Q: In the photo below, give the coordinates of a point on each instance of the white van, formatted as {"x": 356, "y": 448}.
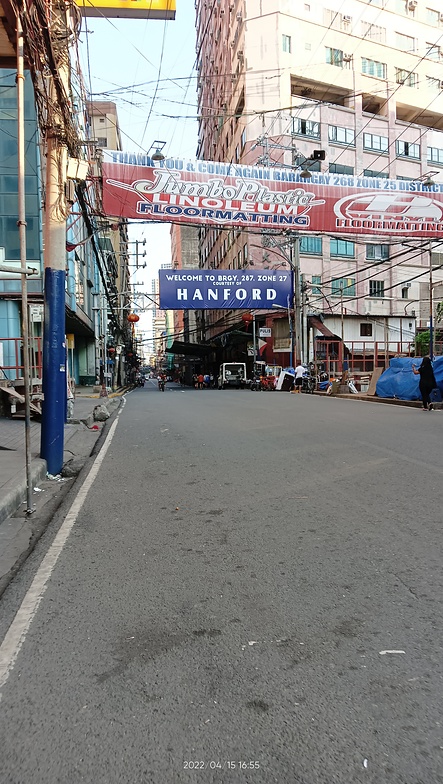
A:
{"x": 232, "y": 374}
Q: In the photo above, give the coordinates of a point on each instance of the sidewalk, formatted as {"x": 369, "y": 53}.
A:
{"x": 18, "y": 531}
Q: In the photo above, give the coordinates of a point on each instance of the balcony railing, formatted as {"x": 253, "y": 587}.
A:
{"x": 11, "y": 358}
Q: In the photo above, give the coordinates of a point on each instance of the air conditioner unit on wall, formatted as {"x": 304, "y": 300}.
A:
{"x": 347, "y": 19}
{"x": 347, "y": 58}
{"x": 412, "y": 4}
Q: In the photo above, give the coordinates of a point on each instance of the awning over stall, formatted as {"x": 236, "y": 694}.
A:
{"x": 189, "y": 349}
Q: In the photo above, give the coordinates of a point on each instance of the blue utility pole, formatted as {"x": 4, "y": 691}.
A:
{"x": 54, "y": 341}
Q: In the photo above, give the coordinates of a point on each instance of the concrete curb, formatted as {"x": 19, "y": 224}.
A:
{"x": 14, "y": 498}
{"x": 117, "y": 393}
{"x": 374, "y": 399}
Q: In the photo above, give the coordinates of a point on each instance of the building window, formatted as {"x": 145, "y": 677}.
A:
{"x": 341, "y": 135}
{"x": 345, "y": 286}
{"x": 376, "y": 288}
{"x": 373, "y": 142}
{"x": 281, "y": 334}
{"x": 373, "y": 68}
{"x": 433, "y": 51}
{"x": 334, "y": 56}
{"x": 342, "y": 248}
{"x": 335, "y": 20}
{"x": 243, "y": 138}
{"x": 245, "y": 254}
{"x": 311, "y": 245}
{"x": 286, "y": 42}
{"x": 380, "y": 252}
{"x": 408, "y": 78}
{"x": 405, "y": 292}
{"x": 405, "y": 42}
{"x": 435, "y": 155}
{"x": 365, "y": 330}
{"x": 434, "y": 18}
{"x": 316, "y": 283}
{"x": 102, "y": 141}
{"x": 338, "y": 168}
{"x": 372, "y": 173}
{"x": 432, "y": 83}
{"x": 407, "y": 149}
{"x": 306, "y": 128}
{"x": 373, "y": 32}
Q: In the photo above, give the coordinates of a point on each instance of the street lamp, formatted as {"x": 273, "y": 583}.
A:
{"x": 158, "y": 148}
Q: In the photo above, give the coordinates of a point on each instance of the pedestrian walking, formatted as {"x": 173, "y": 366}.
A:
{"x": 299, "y": 372}
{"x": 200, "y": 380}
{"x": 427, "y": 382}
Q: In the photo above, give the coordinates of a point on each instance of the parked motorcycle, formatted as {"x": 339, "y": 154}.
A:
{"x": 309, "y": 384}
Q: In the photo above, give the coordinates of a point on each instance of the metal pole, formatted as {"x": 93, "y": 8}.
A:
{"x": 291, "y": 318}
{"x": 341, "y": 312}
{"x": 295, "y": 261}
{"x": 253, "y": 347}
{"x": 21, "y": 223}
{"x": 431, "y": 308}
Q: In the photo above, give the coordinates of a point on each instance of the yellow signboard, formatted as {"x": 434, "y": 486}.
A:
{"x": 70, "y": 341}
{"x": 128, "y": 9}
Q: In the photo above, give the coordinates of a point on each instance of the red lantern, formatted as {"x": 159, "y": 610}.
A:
{"x": 247, "y": 318}
{"x": 133, "y": 318}
{"x": 130, "y": 354}
{"x": 111, "y": 350}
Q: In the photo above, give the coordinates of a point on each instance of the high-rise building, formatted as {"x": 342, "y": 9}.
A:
{"x": 363, "y": 84}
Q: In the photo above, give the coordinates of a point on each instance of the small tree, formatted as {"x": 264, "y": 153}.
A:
{"x": 422, "y": 343}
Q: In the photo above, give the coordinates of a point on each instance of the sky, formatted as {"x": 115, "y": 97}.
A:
{"x": 147, "y": 68}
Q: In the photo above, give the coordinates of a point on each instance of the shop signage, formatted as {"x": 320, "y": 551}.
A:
{"x": 226, "y": 194}
{"x": 224, "y": 289}
{"x": 128, "y": 9}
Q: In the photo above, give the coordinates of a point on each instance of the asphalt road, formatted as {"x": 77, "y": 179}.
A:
{"x": 226, "y": 605}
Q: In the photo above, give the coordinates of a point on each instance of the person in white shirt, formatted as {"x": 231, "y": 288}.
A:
{"x": 299, "y": 372}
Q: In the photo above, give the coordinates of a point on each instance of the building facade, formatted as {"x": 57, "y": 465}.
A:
{"x": 365, "y": 88}
{"x": 11, "y": 358}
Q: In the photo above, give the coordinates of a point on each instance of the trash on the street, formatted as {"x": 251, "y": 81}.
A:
{"x": 383, "y": 653}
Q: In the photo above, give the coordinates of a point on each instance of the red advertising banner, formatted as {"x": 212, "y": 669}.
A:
{"x": 223, "y": 194}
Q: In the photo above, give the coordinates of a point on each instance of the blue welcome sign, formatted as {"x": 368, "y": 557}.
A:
{"x": 195, "y": 289}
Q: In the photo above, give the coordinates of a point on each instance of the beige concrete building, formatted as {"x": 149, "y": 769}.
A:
{"x": 113, "y": 242}
{"x": 363, "y": 82}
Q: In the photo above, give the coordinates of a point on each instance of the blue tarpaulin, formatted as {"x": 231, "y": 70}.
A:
{"x": 399, "y": 381}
